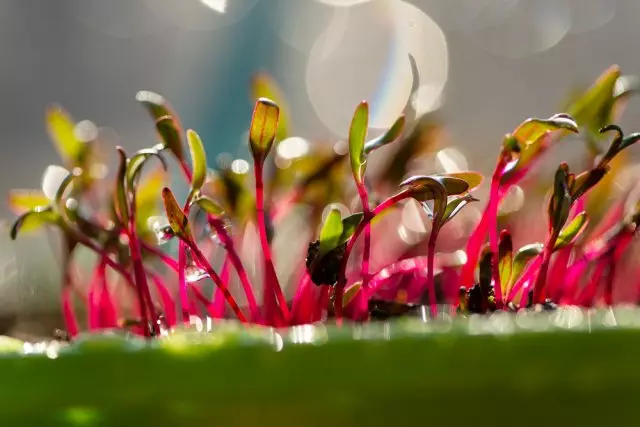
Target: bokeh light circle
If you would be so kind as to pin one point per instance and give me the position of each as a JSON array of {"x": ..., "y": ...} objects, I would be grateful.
[
  {"x": 201, "y": 15},
  {"x": 350, "y": 62}
]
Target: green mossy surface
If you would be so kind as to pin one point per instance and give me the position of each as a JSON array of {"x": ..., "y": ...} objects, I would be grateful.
[{"x": 490, "y": 372}]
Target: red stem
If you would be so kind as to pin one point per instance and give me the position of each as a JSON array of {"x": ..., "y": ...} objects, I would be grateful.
[
  {"x": 494, "y": 204},
  {"x": 431, "y": 254},
  {"x": 366, "y": 252},
  {"x": 539, "y": 293},
  {"x": 204, "y": 264},
  {"x": 342, "y": 276},
  {"x": 234, "y": 258},
  {"x": 272, "y": 286}
]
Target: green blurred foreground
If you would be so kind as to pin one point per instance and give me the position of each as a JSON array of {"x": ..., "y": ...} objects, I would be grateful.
[{"x": 564, "y": 369}]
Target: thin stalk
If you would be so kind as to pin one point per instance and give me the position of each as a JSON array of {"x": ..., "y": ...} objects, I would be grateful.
[
  {"x": 494, "y": 204},
  {"x": 539, "y": 288},
  {"x": 366, "y": 252},
  {"x": 342, "y": 275},
  {"x": 272, "y": 286},
  {"x": 431, "y": 254},
  {"x": 234, "y": 258},
  {"x": 204, "y": 264}
]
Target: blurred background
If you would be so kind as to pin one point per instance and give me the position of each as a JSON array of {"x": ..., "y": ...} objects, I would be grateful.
[{"x": 485, "y": 65}]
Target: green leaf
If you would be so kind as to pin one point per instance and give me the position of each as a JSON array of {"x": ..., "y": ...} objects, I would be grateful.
[
  {"x": 531, "y": 130},
  {"x": 571, "y": 231},
  {"x": 208, "y": 205},
  {"x": 430, "y": 187},
  {"x": 349, "y": 225},
  {"x": 263, "y": 86},
  {"x": 350, "y": 293},
  {"x": 21, "y": 201},
  {"x": 167, "y": 123},
  {"x": 330, "y": 233},
  {"x": 593, "y": 108},
  {"x": 357, "y": 137},
  {"x": 121, "y": 199},
  {"x": 585, "y": 181},
  {"x": 61, "y": 129},
  {"x": 177, "y": 219},
  {"x": 137, "y": 161},
  {"x": 455, "y": 205},
  {"x": 147, "y": 200},
  {"x": 472, "y": 179},
  {"x": 33, "y": 219},
  {"x": 522, "y": 258},
  {"x": 388, "y": 137},
  {"x": 198, "y": 160},
  {"x": 264, "y": 125},
  {"x": 505, "y": 260},
  {"x": 561, "y": 200}
]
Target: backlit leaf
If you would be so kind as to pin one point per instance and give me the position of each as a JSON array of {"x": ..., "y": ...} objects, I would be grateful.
[
  {"x": 473, "y": 180},
  {"x": 593, "y": 108},
  {"x": 350, "y": 293},
  {"x": 122, "y": 201},
  {"x": 429, "y": 187},
  {"x": 505, "y": 259},
  {"x": 572, "y": 231},
  {"x": 522, "y": 258},
  {"x": 264, "y": 125},
  {"x": 61, "y": 128},
  {"x": 357, "y": 137},
  {"x": 21, "y": 201},
  {"x": 177, "y": 219},
  {"x": 208, "y": 205},
  {"x": 331, "y": 232},
  {"x": 263, "y": 86},
  {"x": 167, "y": 122},
  {"x": 32, "y": 220},
  {"x": 560, "y": 202},
  {"x": 137, "y": 161},
  {"x": 198, "y": 160},
  {"x": 349, "y": 225},
  {"x": 532, "y": 129},
  {"x": 388, "y": 137},
  {"x": 455, "y": 206}
]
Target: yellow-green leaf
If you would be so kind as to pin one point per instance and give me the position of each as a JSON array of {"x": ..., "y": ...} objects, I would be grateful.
[
  {"x": 350, "y": 293},
  {"x": 263, "y": 86},
  {"x": 198, "y": 160},
  {"x": 61, "y": 127},
  {"x": 21, "y": 201},
  {"x": 177, "y": 219},
  {"x": 571, "y": 231},
  {"x": 264, "y": 125},
  {"x": 357, "y": 137},
  {"x": 388, "y": 137},
  {"x": 166, "y": 121},
  {"x": 121, "y": 199},
  {"x": 505, "y": 260},
  {"x": 209, "y": 206},
  {"x": 533, "y": 129},
  {"x": 32, "y": 220},
  {"x": 593, "y": 108},
  {"x": 331, "y": 232},
  {"x": 522, "y": 258}
]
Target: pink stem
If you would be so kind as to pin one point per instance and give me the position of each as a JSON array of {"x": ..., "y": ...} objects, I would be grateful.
[
  {"x": 218, "y": 300},
  {"x": 431, "y": 288},
  {"x": 272, "y": 286},
  {"x": 342, "y": 276},
  {"x": 204, "y": 263},
  {"x": 232, "y": 255},
  {"x": 366, "y": 253},
  {"x": 168, "y": 304},
  {"x": 494, "y": 204},
  {"x": 70, "y": 320}
]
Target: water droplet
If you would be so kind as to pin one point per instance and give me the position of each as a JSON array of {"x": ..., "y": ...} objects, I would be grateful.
[
  {"x": 215, "y": 237},
  {"x": 161, "y": 228},
  {"x": 194, "y": 274}
]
